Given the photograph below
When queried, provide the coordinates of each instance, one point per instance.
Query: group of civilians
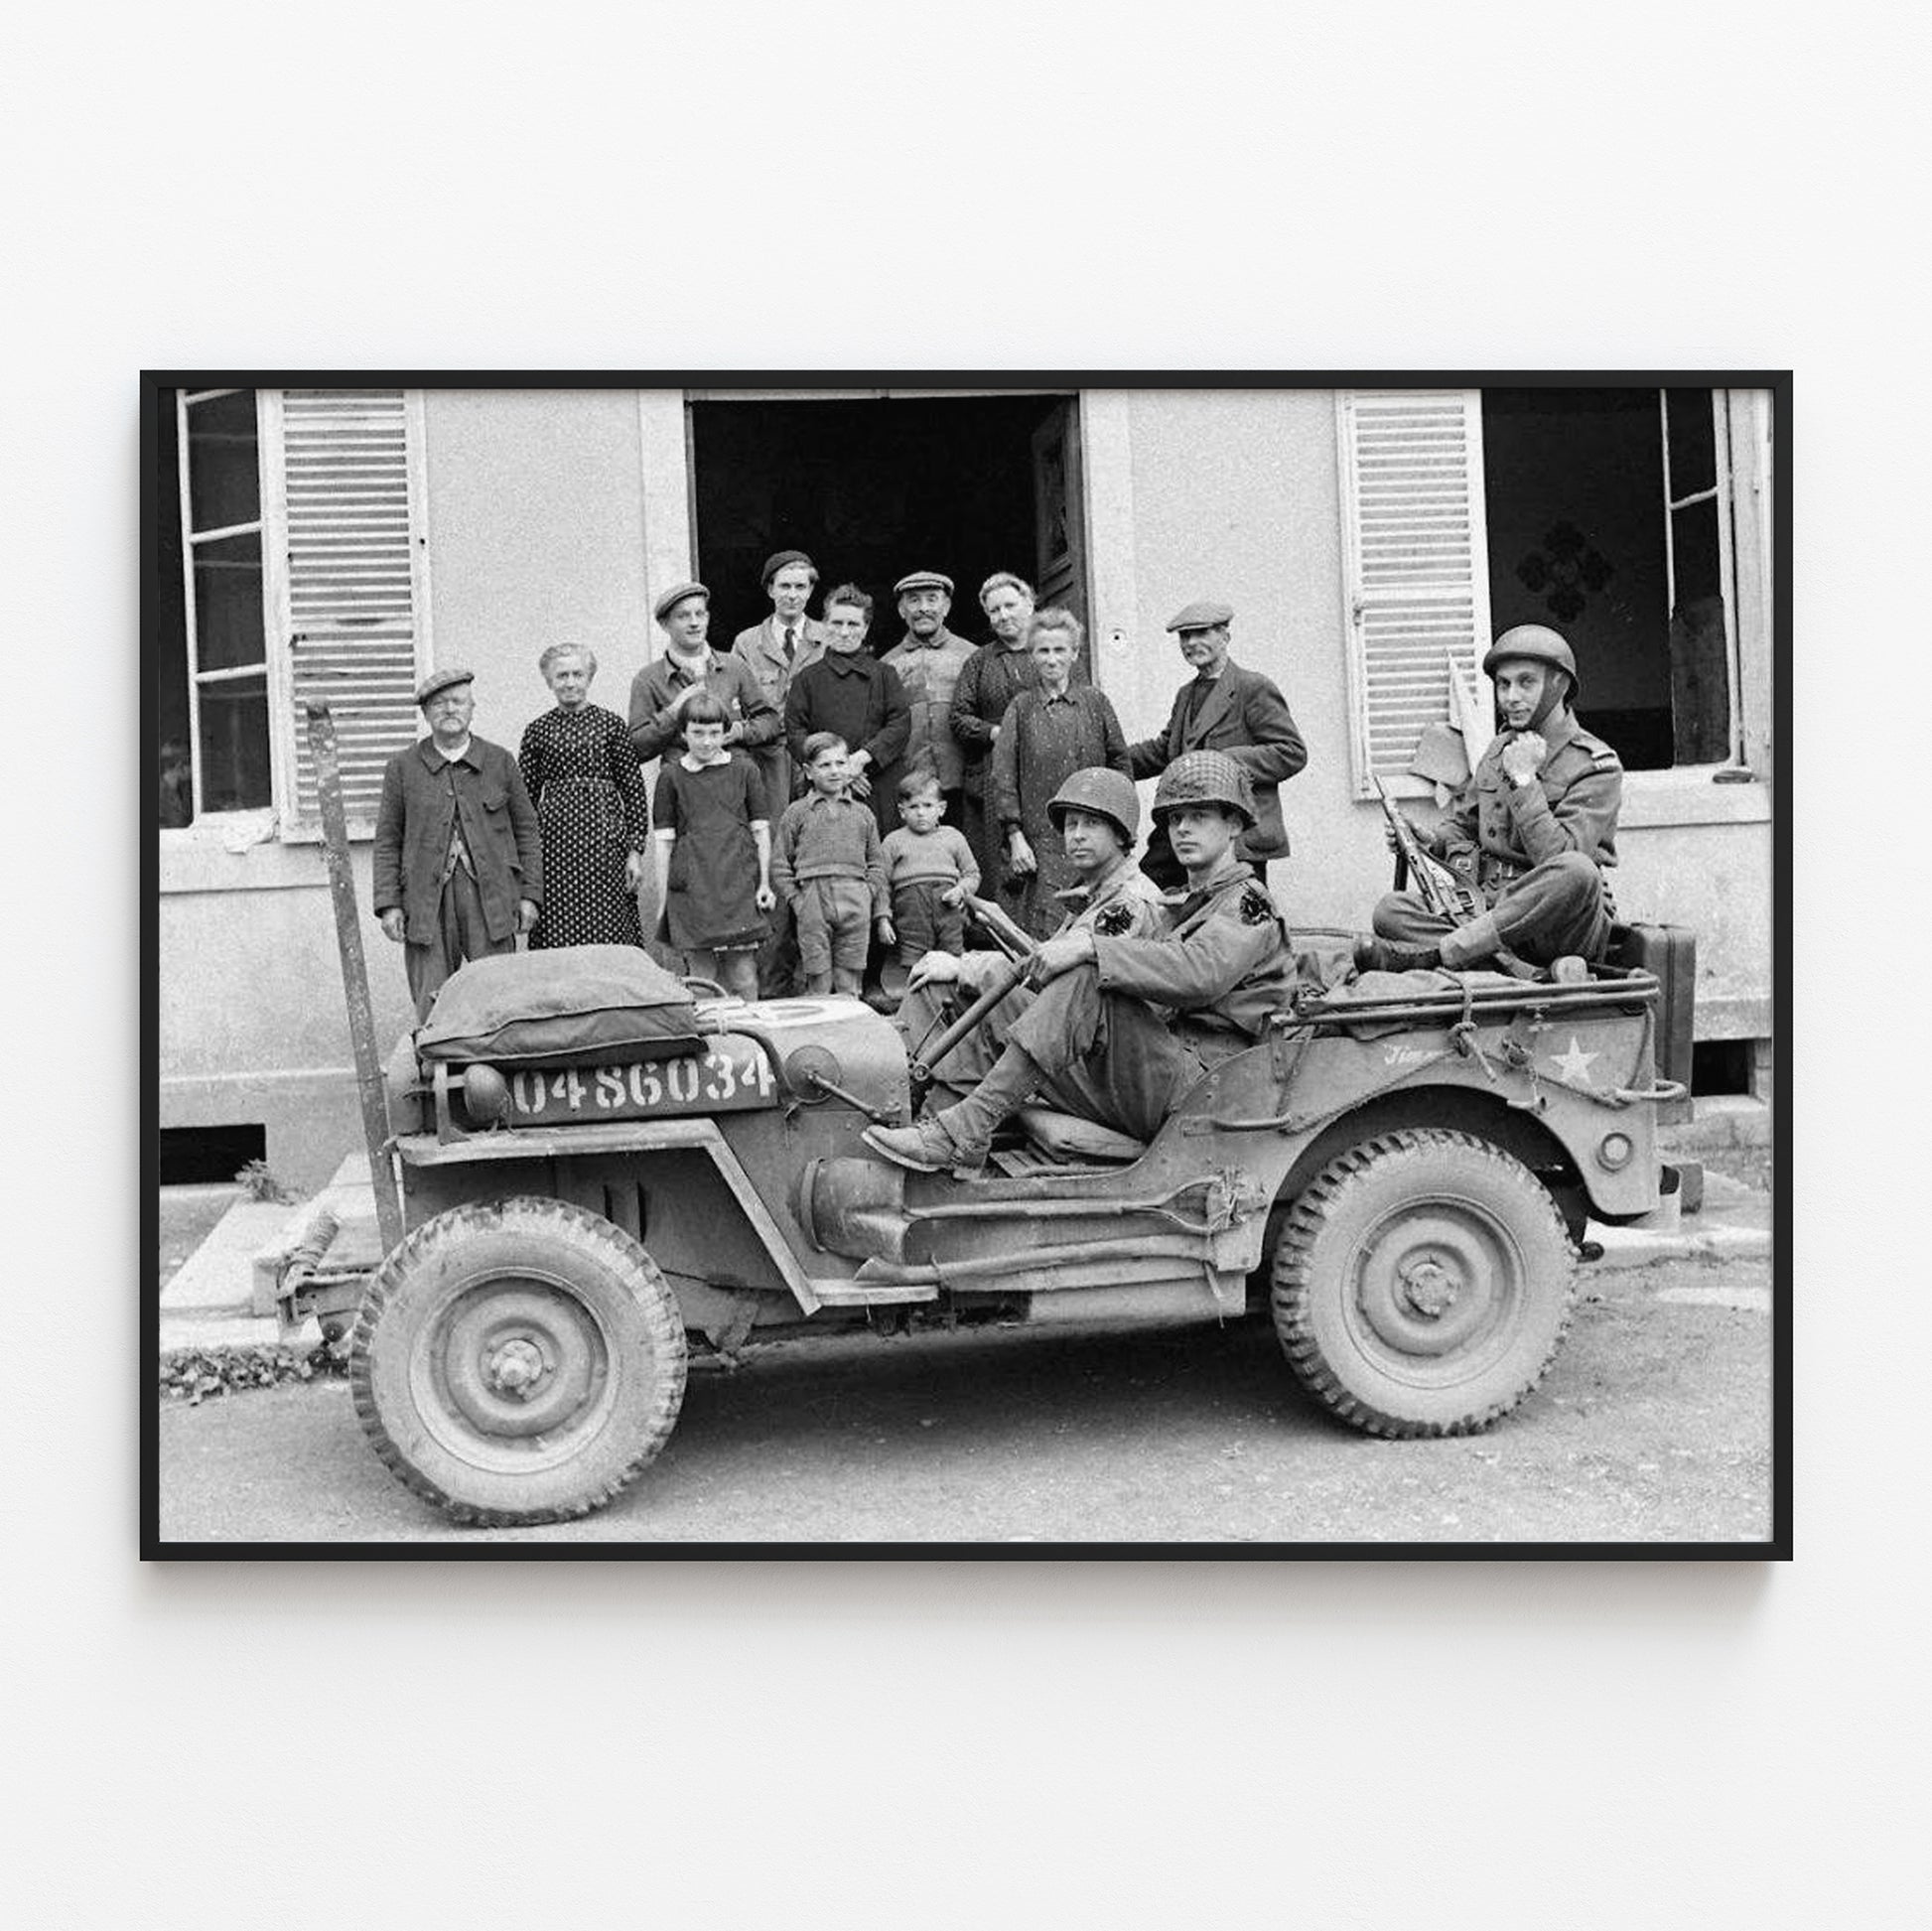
(954, 752)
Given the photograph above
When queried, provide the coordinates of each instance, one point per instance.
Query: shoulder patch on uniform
(1257, 909)
(1112, 922)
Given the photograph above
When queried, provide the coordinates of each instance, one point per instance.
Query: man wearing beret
(457, 856)
(660, 691)
(776, 650)
(1227, 709)
(928, 660)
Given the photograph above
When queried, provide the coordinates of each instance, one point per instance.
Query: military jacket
(1222, 955)
(1569, 806)
(1123, 904)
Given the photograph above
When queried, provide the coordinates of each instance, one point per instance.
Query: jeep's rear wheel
(1423, 1284)
(517, 1362)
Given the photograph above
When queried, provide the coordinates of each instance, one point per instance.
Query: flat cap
(1202, 615)
(441, 680)
(924, 580)
(676, 595)
(779, 560)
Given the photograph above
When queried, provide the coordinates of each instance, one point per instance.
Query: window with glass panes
(289, 570)
(213, 700)
(1607, 513)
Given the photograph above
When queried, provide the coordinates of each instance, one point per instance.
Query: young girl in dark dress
(713, 842)
(581, 770)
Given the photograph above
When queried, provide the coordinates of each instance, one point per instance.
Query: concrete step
(217, 1298)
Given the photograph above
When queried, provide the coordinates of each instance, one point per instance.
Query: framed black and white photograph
(1202, 976)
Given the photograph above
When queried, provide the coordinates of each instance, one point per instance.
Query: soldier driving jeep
(1098, 816)
(1091, 1042)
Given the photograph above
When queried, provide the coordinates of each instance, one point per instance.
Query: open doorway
(872, 487)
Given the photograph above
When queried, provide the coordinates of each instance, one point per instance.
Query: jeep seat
(1065, 1136)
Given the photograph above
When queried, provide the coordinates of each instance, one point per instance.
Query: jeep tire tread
(517, 1362)
(1423, 1283)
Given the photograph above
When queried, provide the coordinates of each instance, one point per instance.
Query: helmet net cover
(1205, 777)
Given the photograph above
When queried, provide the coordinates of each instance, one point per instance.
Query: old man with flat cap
(928, 660)
(1228, 709)
(458, 854)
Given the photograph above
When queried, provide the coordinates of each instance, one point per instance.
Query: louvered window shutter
(1417, 562)
(353, 603)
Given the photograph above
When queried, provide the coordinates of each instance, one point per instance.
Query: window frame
(279, 822)
(249, 817)
(1724, 790)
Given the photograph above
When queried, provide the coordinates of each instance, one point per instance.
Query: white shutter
(1416, 560)
(353, 603)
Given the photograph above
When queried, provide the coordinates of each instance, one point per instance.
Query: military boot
(1383, 955)
(926, 1147)
(958, 1137)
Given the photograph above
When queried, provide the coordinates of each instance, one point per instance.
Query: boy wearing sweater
(930, 872)
(829, 869)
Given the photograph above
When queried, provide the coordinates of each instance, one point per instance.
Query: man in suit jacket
(1227, 709)
(458, 854)
(776, 651)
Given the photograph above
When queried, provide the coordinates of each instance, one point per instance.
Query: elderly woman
(995, 674)
(580, 768)
(1048, 733)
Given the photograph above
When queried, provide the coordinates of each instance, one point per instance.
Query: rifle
(1441, 891)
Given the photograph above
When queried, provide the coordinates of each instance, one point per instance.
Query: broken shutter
(1416, 561)
(353, 603)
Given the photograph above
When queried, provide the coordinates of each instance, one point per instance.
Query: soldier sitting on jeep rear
(1531, 830)
(1092, 1043)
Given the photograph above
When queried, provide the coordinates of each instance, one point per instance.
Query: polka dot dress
(580, 768)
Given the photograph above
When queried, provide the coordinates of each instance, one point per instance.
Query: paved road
(1655, 1423)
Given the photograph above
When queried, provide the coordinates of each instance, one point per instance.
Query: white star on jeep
(1574, 1063)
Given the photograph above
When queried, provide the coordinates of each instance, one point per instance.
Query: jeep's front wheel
(517, 1362)
(1423, 1283)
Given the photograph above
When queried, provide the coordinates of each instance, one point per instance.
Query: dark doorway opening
(205, 1156)
(1592, 533)
(872, 488)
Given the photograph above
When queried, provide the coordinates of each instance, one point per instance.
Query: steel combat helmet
(1205, 777)
(1536, 644)
(1106, 794)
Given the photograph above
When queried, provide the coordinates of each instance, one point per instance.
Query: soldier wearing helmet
(1531, 830)
(1093, 1041)
(1098, 817)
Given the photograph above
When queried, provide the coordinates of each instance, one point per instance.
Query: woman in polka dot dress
(580, 768)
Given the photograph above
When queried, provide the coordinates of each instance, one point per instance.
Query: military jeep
(1400, 1170)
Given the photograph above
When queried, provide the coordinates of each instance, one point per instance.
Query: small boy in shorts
(930, 872)
(828, 868)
